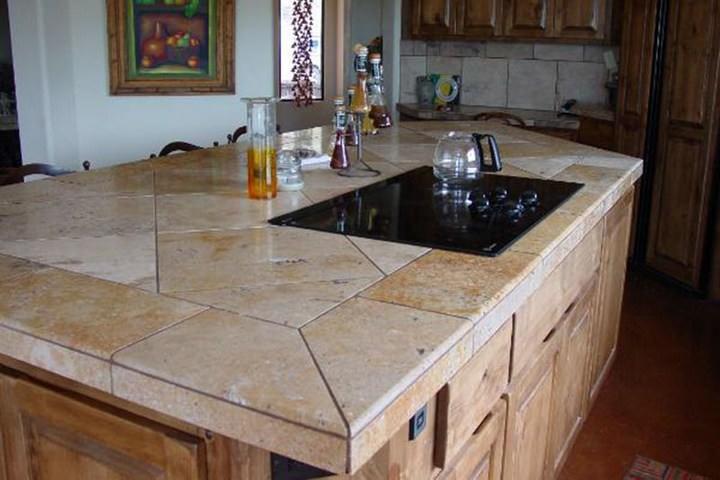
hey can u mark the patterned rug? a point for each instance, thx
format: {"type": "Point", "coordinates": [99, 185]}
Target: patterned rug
{"type": "Point", "coordinates": [646, 469]}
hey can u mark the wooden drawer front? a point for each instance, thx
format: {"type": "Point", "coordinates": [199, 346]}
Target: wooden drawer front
{"type": "Point", "coordinates": [535, 320]}
{"type": "Point", "coordinates": [481, 458]}
{"type": "Point", "coordinates": [471, 394]}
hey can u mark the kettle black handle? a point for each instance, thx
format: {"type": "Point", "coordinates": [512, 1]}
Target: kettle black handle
{"type": "Point", "coordinates": [495, 160]}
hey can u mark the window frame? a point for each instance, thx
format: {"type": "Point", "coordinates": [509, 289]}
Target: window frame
{"type": "Point", "coordinates": [278, 39]}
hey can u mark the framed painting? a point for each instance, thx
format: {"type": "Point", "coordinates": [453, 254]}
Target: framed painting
{"type": "Point", "coordinates": [171, 47]}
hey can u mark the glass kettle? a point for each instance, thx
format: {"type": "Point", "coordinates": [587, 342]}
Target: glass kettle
{"type": "Point", "coordinates": [461, 157]}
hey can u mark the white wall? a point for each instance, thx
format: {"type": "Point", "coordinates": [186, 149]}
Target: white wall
{"type": "Point", "coordinates": [66, 114]}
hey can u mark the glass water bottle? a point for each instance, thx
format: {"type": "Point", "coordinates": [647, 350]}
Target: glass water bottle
{"type": "Point", "coordinates": [262, 156]}
{"type": "Point", "coordinates": [376, 94]}
{"type": "Point", "coordinates": [350, 129]}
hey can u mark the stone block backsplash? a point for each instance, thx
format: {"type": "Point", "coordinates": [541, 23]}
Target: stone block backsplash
{"type": "Point", "coordinates": [538, 76]}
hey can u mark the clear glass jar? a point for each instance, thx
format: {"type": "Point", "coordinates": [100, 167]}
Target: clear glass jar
{"type": "Point", "coordinates": [289, 171]}
{"type": "Point", "coordinates": [262, 153]}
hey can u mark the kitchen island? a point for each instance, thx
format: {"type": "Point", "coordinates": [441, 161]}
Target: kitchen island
{"type": "Point", "coordinates": [152, 324]}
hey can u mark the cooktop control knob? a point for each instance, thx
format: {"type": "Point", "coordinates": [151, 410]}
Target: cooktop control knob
{"type": "Point", "coordinates": [529, 198]}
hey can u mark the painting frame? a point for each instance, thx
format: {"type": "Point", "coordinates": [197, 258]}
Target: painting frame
{"type": "Point", "coordinates": [124, 79]}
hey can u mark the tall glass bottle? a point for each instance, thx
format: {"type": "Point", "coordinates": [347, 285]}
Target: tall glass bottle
{"type": "Point", "coordinates": [340, 159]}
{"type": "Point", "coordinates": [262, 154]}
{"type": "Point", "coordinates": [376, 94]}
{"type": "Point", "coordinates": [360, 105]}
{"type": "Point", "coordinates": [350, 128]}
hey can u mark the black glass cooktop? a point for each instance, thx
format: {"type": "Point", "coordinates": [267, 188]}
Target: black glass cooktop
{"type": "Point", "coordinates": [483, 218]}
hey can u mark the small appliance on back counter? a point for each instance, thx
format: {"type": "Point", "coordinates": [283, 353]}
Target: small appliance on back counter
{"type": "Point", "coordinates": [439, 91]}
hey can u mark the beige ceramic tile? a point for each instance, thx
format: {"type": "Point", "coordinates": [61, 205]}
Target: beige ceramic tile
{"type": "Point", "coordinates": [86, 314]}
{"type": "Point", "coordinates": [325, 450]}
{"type": "Point", "coordinates": [256, 257]}
{"type": "Point", "coordinates": [226, 175]}
{"type": "Point", "coordinates": [595, 179]}
{"type": "Point", "coordinates": [393, 345]}
{"type": "Point", "coordinates": [83, 217]}
{"type": "Point", "coordinates": [329, 179]}
{"type": "Point", "coordinates": [44, 190]}
{"type": "Point", "coordinates": [187, 213]}
{"type": "Point", "coordinates": [416, 155]}
{"type": "Point", "coordinates": [317, 195]}
{"type": "Point", "coordinates": [546, 167]}
{"type": "Point", "coordinates": [11, 267]}
{"type": "Point", "coordinates": [388, 256]}
{"type": "Point", "coordinates": [129, 179]}
{"type": "Point", "coordinates": [86, 369]}
{"type": "Point", "coordinates": [246, 362]}
{"type": "Point", "coordinates": [293, 304]}
{"type": "Point", "coordinates": [454, 283]}
{"type": "Point", "coordinates": [126, 259]}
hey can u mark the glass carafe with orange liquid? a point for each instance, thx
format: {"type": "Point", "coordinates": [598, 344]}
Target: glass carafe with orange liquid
{"type": "Point", "coordinates": [262, 154]}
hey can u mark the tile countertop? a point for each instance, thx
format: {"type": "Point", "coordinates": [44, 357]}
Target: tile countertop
{"type": "Point", "coordinates": [161, 283]}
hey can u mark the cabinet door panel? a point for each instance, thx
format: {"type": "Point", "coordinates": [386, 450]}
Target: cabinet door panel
{"type": "Point", "coordinates": [636, 60]}
{"type": "Point", "coordinates": [433, 17]}
{"type": "Point", "coordinates": [581, 18]}
{"type": "Point", "coordinates": [688, 142]}
{"type": "Point", "coordinates": [479, 18]}
{"type": "Point", "coordinates": [49, 436]}
{"type": "Point", "coordinates": [528, 18]}
{"type": "Point", "coordinates": [612, 284]}
{"type": "Point", "coordinates": [570, 393]}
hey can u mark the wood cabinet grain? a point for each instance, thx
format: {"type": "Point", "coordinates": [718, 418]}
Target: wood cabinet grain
{"type": "Point", "coordinates": [433, 17]}
{"type": "Point", "coordinates": [687, 148]}
{"type": "Point", "coordinates": [529, 18]}
{"type": "Point", "coordinates": [479, 18]}
{"type": "Point", "coordinates": [580, 19]}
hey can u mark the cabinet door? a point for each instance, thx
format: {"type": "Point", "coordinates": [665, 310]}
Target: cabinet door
{"type": "Point", "coordinates": [479, 18]}
{"type": "Point", "coordinates": [612, 282]}
{"type": "Point", "coordinates": [482, 457]}
{"type": "Point", "coordinates": [570, 393]}
{"type": "Point", "coordinates": [635, 76]}
{"type": "Point", "coordinates": [529, 409]}
{"type": "Point", "coordinates": [49, 436]}
{"type": "Point", "coordinates": [687, 146]}
{"type": "Point", "coordinates": [581, 19]}
{"type": "Point", "coordinates": [433, 18]}
{"type": "Point", "coordinates": [528, 18]}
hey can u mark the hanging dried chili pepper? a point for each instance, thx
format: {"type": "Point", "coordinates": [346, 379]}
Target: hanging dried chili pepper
{"type": "Point", "coordinates": [302, 63]}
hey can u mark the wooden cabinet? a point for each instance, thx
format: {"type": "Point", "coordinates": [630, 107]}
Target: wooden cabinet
{"type": "Point", "coordinates": [687, 146]}
{"type": "Point", "coordinates": [597, 133]}
{"type": "Point", "coordinates": [482, 457]}
{"type": "Point", "coordinates": [612, 283]}
{"type": "Point", "coordinates": [47, 435]}
{"type": "Point", "coordinates": [479, 18]}
{"type": "Point", "coordinates": [433, 17]}
{"type": "Point", "coordinates": [529, 18]}
{"type": "Point", "coordinates": [581, 18]}
{"type": "Point", "coordinates": [529, 416]}
{"type": "Point", "coordinates": [571, 389]}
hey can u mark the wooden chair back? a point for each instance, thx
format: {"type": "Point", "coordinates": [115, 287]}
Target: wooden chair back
{"type": "Point", "coordinates": [9, 176]}
{"type": "Point", "coordinates": [174, 147]}
{"type": "Point", "coordinates": [506, 118]}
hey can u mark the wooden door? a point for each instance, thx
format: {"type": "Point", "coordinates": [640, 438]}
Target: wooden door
{"type": "Point", "coordinates": [528, 18]}
{"type": "Point", "coordinates": [612, 285]}
{"type": "Point", "coordinates": [635, 76]}
{"type": "Point", "coordinates": [581, 19]}
{"type": "Point", "coordinates": [715, 275]}
{"type": "Point", "coordinates": [482, 457]}
{"type": "Point", "coordinates": [688, 140]}
{"type": "Point", "coordinates": [479, 18]}
{"type": "Point", "coordinates": [572, 378]}
{"type": "Point", "coordinates": [433, 18]}
{"type": "Point", "coordinates": [529, 410]}
{"type": "Point", "coordinates": [49, 436]}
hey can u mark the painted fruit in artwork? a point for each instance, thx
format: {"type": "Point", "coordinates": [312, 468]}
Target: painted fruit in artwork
{"type": "Point", "coordinates": [193, 62]}
{"type": "Point", "coordinates": [146, 62]}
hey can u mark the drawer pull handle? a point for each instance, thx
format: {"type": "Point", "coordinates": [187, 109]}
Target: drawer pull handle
{"type": "Point", "coordinates": [550, 335]}
{"type": "Point", "coordinates": [485, 421]}
{"type": "Point", "coordinates": [570, 307]}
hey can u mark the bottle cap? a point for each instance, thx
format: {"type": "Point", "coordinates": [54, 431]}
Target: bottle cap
{"type": "Point", "coordinates": [375, 58]}
{"type": "Point", "coordinates": [351, 89]}
{"type": "Point", "coordinates": [339, 101]}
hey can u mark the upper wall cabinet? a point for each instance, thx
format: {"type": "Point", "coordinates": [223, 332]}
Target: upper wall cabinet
{"type": "Point", "coordinates": [528, 19]}
{"type": "Point", "coordinates": [431, 18]}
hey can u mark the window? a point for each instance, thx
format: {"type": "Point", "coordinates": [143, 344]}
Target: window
{"type": "Point", "coordinates": [287, 39]}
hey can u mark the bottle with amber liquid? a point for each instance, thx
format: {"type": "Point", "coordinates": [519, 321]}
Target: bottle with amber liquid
{"type": "Point", "coordinates": [262, 154]}
{"type": "Point", "coordinates": [376, 94]}
{"type": "Point", "coordinates": [350, 129]}
{"type": "Point", "coordinates": [340, 159]}
{"type": "Point", "coordinates": [360, 105]}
